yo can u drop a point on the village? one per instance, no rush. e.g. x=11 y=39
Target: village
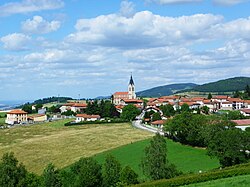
x=215 y=104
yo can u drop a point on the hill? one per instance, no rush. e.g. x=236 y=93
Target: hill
x=186 y=158
x=165 y=90
x=227 y=85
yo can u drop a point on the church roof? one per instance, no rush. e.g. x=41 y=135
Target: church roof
x=131 y=81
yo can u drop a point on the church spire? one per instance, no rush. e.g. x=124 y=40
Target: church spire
x=131 y=80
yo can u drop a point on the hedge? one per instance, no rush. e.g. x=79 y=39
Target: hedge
x=96 y=122
x=242 y=169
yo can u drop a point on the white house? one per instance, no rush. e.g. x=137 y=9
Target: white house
x=226 y=105
x=16 y=117
x=86 y=117
x=245 y=112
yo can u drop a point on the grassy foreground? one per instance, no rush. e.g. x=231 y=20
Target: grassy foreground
x=186 y=158
x=238 y=181
x=37 y=145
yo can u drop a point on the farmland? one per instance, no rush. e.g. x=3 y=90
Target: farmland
x=37 y=145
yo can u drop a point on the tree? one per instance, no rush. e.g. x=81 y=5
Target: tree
x=129 y=112
x=205 y=109
x=228 y=147
x=247 y=90
x=88 y=172
x=155 y=164
x=27 y=108
x=156 y=116
x=128 y=176
x=12 y=174
x=234 y=115
x=111 y=171
x=51 y=176
x=38 y=106
x=168 y=110
x=185 y=108
x=209 y=96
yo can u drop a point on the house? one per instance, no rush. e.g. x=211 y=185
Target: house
x=16 y=117
x=37 y=118
x=75 y=107
x=237 y=103
x=242 y=123
x=158 y=123
x=247 y=104
x=245 y=112
x=220 y=98
x=117 y=97
x=86 y=117
x=227 y=105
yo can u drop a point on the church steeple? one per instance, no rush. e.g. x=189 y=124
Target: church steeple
x=131 y=88
x=131 y=80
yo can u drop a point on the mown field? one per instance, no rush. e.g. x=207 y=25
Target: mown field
x=238 y=181
x=186 y=158
x=37 y=145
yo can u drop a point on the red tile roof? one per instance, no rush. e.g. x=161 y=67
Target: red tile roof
x=132 y=100
x=235 y=100
x=17 y=112
x=121 y=93
x=220 y=97
x=247 y=101
x=158 y=122
x=80 y=105
x=242 y=122
x=87 y=116
x=246 y=110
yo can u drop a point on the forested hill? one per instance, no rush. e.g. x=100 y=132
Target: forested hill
x=227 y=85
x=52 y=99
x=165 y=90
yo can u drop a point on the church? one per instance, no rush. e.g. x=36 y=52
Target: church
x=118 y=98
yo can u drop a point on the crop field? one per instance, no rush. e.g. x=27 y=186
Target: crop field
x=186 y=158
x=37 y=145
x=238 y=181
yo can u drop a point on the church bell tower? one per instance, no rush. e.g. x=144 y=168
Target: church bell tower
x=131 y=89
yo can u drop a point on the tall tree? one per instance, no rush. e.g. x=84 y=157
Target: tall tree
x=129 y=112
x=228 y=147
x=12 y=174
x=156 y=116
x=51 y=176
x=168 y=110
x=154 y=163
x=111 y=171
x=88 y=173
x=185 y=108
x=209 y=96
x=128 y=176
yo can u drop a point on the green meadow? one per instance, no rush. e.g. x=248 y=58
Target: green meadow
x=238 y=181
x=186 y=158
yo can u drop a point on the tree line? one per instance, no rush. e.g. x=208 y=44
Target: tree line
x=217 y=133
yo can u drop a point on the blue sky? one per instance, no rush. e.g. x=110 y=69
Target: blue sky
x=90 y=47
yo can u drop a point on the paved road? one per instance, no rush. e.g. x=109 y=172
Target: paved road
x=138 y=124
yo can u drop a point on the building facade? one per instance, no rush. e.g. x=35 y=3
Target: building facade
x=117 y=97
x=16 y=117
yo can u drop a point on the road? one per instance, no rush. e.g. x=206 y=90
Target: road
x=138 y=124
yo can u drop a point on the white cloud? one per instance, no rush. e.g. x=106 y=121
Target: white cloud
x=164 y=2
x=229 y=2
x=26 y=6
x=127 y=8
x=144 y=29
x=16 y=42
x=40 y=26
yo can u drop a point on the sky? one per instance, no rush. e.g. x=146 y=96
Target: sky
x=89 y=48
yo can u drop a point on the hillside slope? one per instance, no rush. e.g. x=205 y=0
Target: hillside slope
x=165 y=90
x=227 y=85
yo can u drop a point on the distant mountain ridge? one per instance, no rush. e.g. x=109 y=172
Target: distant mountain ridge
x=226 y=85
x=165 y=90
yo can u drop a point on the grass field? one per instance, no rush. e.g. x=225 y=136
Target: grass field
x=238 y=181
x=37 y=145
x=186 y=158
